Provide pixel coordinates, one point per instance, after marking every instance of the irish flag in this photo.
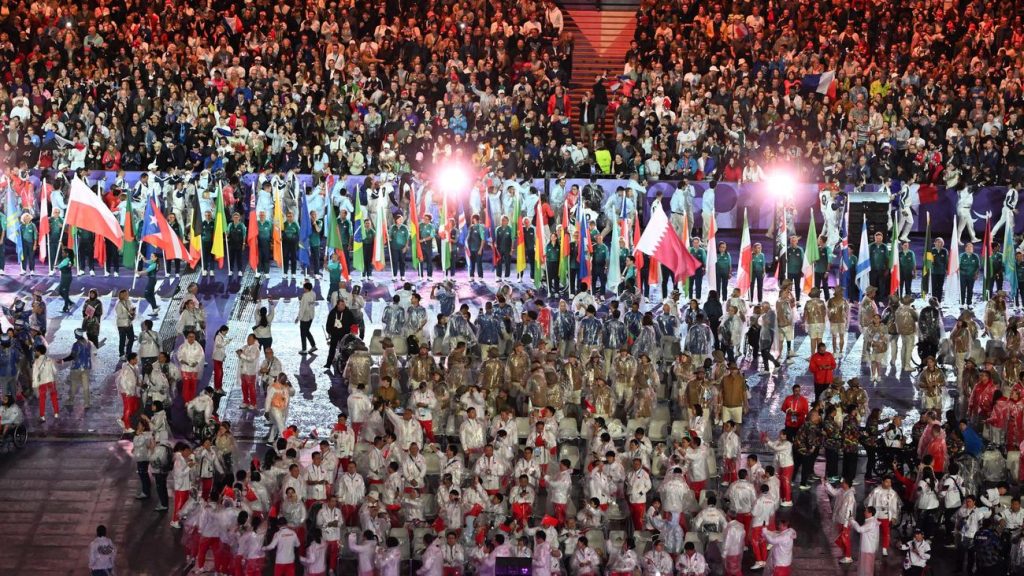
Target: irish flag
(811, 255)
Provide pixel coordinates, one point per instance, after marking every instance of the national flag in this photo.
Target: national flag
(444, 234)
(380, 238)
(305, 231)
(781, 241)
(86, 210)
(685, 239)
(986, 259)
(357, 235)
(44, 220)
(195, 244)
(929, 258)
(520, 247)
(463, 239)
(824, 83)
(489, 223)
(99, 251)
(539, 243)
(863, 275)
(583, 245)
(711, 245)
(746, 258)
(277, 242)
(844, 258)
(516, 217)
(660, 241)
(811, 255)
(638, 257)
(951, 291)
(563, 252)
(252, 234)
(618, 233)
(158, 233)
(1010, 261)
(130, 248)
(414, 232)
(233, 24)
(220, 227)
(894, 260)
(14, 219)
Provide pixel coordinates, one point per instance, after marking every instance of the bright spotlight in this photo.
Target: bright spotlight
(780, 184)
(452, 178)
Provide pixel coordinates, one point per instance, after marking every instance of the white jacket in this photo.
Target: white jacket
(732, 541)
(639, 483)
(697, 463)
(676, 495)
(471, 433)
(783, 452)
(741, 496)
(695, 565)
(359, 406)
(44, 371)
(558, 487)
(307, 307)
(843, 506)
(182, 474)
(886, 503)
(249, 360)
(868, 534)
(351, 489)
(782, 546)
(124, 311)
(127, 380)
(191, 357)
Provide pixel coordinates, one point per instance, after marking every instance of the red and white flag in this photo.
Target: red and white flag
(87, 211)
(166, 240)
(44, 220)
(660, 241)
(746, 257)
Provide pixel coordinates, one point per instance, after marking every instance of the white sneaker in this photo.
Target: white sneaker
(846, 560)
(92, 272)
(106, 273)
(56, 415)
(885, 551)
(758, 566)
(175, 525)
(42, 418)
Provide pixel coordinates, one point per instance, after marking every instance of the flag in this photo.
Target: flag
(660, 241)
(252, 235)
(44, 220)
(333, 230)
(540, 242)
(618, 233)
(357, 235)
(686, 244)
(583, 245)
(951, 291)
(824, 83)
(862, 277)
(811, 254)
(195, 244)
(86, 210)
(929, 259)
(130, 248)
(489, 224)
(844, 258)
(520, 247)
(894, 260)
(1010, 261)
(277, 243)
(781, 240)
(563, 252)
(305, 230)
(638, 257)
(414, 232)
(14, 219)
(986, 259)
(463, 239)
(444, 234)
(379, 239)
(220, 226)
(746, 257)
(157, 232)
(712, 253)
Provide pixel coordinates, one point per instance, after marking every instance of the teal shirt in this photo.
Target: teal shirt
(265, 230)
(794, 261)
(879, 254)
(28, 233)
(291, 231)
(701, 255)
(823, 261)
(969, 264)
(757, 264)
(426, 231)
(399, 235)
(723, 265)
(334, 272)
(908, 263)
(315, 229)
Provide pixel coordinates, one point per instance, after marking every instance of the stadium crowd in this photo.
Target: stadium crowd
(530, 428)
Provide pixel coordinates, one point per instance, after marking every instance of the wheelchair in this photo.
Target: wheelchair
(14, 440)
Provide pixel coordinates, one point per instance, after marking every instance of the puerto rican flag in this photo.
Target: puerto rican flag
(156, 231)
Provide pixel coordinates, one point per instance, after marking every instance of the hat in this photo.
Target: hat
(908, 299)
(853, 381)
(79, 333)
(373, 495)
(871, 290)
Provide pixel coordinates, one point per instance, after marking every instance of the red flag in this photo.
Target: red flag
(252, 234)
(44, 221)
(86, 210)
(638, 257)
(661, 242)
(99, 250)
(166, 240)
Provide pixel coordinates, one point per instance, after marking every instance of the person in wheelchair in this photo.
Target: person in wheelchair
(11, 419)
(201, 411)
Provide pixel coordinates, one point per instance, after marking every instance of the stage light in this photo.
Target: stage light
(452, 178)
(780, 184)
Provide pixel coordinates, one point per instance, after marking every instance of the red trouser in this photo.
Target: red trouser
(350, 513)
(253, 566)
(560, 513)
(129, 406)
(207, 485)
(249, 389)
(843, 539)
(450, 571)
(734, 565)
(207, 545)
(237, 566)
(758, 544)
(746, 520)
(428, 429)
(189, 381)
(780, 571)
(49, 386)
(284, 569)
(180, 497)
(637, 511)
(522, 512)
(729, 474)
(356, 428)
(697, 488)
(786, 483)
(218, 374)
(333, 550)
(884, 528)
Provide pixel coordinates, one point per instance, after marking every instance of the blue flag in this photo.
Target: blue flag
(581, 221)
(14, 220)
(305, 231)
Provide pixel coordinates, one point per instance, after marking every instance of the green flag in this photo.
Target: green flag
(926, 268)
(357, 235)
(129, 249)
(811, 254)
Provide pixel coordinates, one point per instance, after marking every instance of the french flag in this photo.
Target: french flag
(824, 83)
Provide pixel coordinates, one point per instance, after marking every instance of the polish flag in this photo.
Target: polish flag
(659, 241)
(87, 211)
(746, 257)
(44, 221)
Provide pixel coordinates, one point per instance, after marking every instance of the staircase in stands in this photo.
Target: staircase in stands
(602, 33)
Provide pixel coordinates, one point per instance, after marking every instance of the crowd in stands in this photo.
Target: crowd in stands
(707, 90)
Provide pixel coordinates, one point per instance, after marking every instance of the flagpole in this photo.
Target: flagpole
(227, 245)
(135, 270)
(60, 244)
